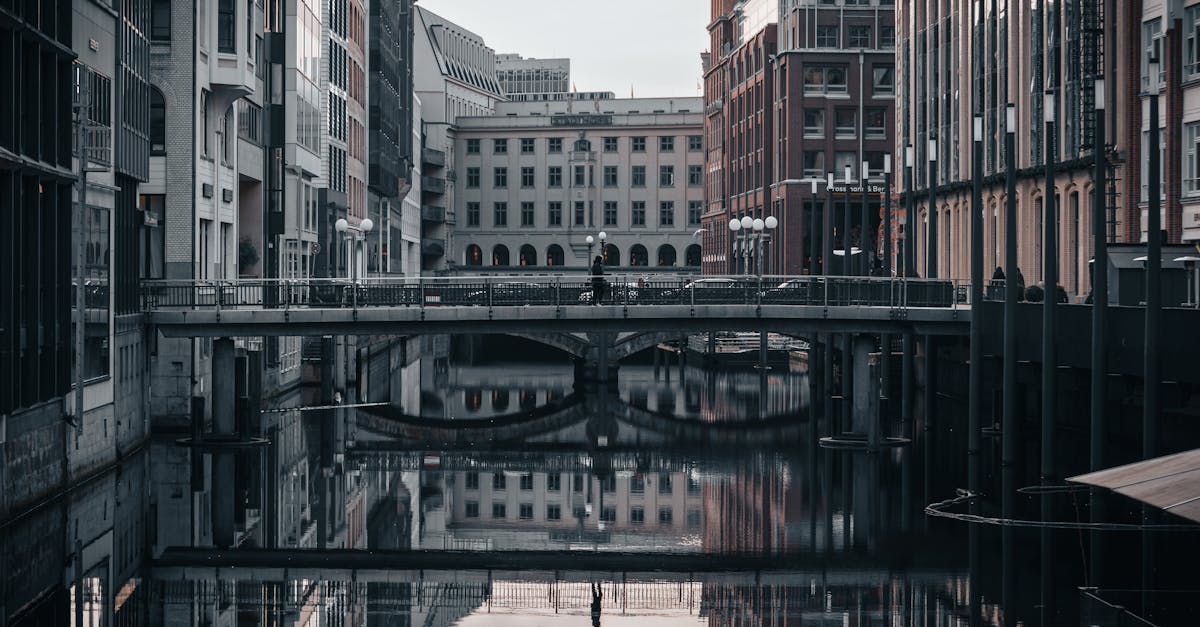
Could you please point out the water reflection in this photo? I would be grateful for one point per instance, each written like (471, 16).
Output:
(693, 499)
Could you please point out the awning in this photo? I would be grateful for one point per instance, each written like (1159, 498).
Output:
(1170, 483)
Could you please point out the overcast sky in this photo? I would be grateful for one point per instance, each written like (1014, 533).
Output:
(653, 45)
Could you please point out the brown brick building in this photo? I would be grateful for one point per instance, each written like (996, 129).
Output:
(793, 91)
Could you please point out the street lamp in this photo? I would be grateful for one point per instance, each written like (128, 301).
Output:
(591, 242)
(752, 232)
(354, 233)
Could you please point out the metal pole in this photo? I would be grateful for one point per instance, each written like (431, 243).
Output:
(910, 217)
(1009, 426)
(976, 368)
(1153, 284)
(864, 234)
(931, 241)
(887, 216)
(812, 247)
(827, 223)
(1050, 300)
(847, 224)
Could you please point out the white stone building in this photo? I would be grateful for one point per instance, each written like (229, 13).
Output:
(537, 178)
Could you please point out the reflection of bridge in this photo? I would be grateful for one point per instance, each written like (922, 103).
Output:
(551, 304)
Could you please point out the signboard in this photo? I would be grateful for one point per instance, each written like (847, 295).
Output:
(872, 188)
(581, 120)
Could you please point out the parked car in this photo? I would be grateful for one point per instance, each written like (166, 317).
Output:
(804, 291)
(710, 291)
(509, 293)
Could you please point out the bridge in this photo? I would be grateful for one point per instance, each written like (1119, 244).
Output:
(554, 304)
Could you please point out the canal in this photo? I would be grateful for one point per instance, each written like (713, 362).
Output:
(502, 491)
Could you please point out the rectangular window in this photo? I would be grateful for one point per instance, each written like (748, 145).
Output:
(554, 176)
(526, 511)
(499, 511)
(814, 123)
(695, 210)
(1191, 43)
(821, 80)
(526, 481)
(500, 218)
(610, 213)
(637, 176)
(639, 144)
(859, 36)
(666, 213)
(498, 481)
(554, 145)
(875, 124)
(472, 214)
(637, 213)
(226, 26)
(526, 220)
(695, 175)
(160, 20)
(1191, 160)
(666, 144)
(204, 130)
(472, 146)
(664, 483)
(500, 178)
(665, 515)
(472, 178)
(827, 36)
(553, 482)
(579, 212)
(637, 515)
(1151, 36)
(577, 483)
(693, 518)
(608, 514)
(814, 164)
(843, 160)
(527, 145)
(472, 481)
(610, 176)
(887, 37)
(884, 81)
(580, 176)
(553, 512)
(610, 144)
(666, 176)
(637, 484)
(845, 123)
(554, 213)
(695, 143)
(472, 509)
(527, 177)
(500, 146)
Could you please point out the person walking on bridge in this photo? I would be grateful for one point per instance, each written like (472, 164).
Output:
(598, 282)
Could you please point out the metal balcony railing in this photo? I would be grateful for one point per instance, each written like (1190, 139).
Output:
(556, 291)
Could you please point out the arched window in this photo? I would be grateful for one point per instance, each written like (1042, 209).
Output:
(638, 255)
(500, 255)
(473, 399)
(612, 255)
(499, 400)
(666, 255)
(474, 256)
(528, 255)
(692, 256)
(554, 255)
(158, 122)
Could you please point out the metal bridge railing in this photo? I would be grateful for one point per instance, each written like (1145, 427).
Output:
(557, 291)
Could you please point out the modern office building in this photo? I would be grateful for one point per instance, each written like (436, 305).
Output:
(455, 76)
(521, 76)
(536, 180)
(794, 91)
(952, 64)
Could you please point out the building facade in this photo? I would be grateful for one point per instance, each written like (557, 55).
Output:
(455, 76)
(521, 76)
(795, 91)
(534, 181)
(1013, 54)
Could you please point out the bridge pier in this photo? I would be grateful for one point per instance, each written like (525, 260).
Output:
(864, 417)
(599, 365)
(224, 420)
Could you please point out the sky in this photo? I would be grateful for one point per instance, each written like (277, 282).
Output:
(652, 45)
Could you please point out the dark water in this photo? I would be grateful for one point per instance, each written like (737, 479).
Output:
(678, 496)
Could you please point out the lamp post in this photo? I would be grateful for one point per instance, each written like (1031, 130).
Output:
(1009, 425)
(887, 216)
(1050, 301)
(975, 383)
(910, 215)
(827, 224)
(847, 223)
(1097, 427)
(354, 234)
(591, 243)
(1153, 273)
(863, 232)
(931, 243)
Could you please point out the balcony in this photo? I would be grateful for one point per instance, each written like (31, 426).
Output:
(433, 185)
(433, 213)
(433, 247)
(436, 158)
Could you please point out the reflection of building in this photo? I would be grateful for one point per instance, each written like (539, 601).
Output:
(537, 178)
(512, 510)
(714, 396)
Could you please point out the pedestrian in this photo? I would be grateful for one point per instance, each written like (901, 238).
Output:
(597, 601)
(597, 273)
(998, 275)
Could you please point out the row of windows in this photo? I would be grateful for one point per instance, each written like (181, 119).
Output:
(554, 145)
(582, 213)
(527, 255)
(583, 176)
(831, 80)
(637, 483)
(815, 164)
(637, 515)
(845, 123)
(856, 36)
